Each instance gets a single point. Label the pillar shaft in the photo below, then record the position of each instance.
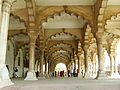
(4, 23)
(115, 64)
(87, 73)
(71, 65)
(41, 62)
(100, 56)
(32, 56)
(37, 66)
(90, 70)
(1, 1)
(41, 67)
(75, 64)
(111, 64)
(79, 68)
(46, 67)
(101, 61)
(4, 30)
(86, 62)
(95, 69)
(31, 73)
(79, 65)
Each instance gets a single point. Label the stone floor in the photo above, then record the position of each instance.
(64, 84)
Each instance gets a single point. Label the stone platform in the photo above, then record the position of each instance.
(64, 84)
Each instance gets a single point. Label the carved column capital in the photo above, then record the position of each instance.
(7, 4)
(1, 1)
(113, 54)
(99, 36)
(33, 36)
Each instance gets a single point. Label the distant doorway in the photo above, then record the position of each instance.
(60, 70)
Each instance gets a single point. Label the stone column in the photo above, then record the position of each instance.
(37, 66)
(71, 65)
(1, 1)
(111, 65)
(93, 69)
(67, 69)
(101, 72)
(87, 74)
(31, 73)
(45, 66)
(90, 70)
(79, 67)
(48, 68)
(75, 61)
(116, 66)
(4, 75)
(71, 68)
(75, 64)
(41, 63)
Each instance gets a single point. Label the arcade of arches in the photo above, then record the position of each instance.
(36, 35)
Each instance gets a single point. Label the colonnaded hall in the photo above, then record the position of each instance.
(60, 44)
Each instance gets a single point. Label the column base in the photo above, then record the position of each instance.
(112, 74)
(4, 83)
(87, 76)
(31, 76)
(102, 75)
(49, 75)
(80, 75)
(115, 76)
(4, 76)
(94, 76)
(46, 76)
(41, 76)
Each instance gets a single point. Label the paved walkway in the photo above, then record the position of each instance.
(64, 84)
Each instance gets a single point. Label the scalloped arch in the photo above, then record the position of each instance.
(60, 45)
(20, 19)
(56, 51)
(62, 56)
(114, 45)
(113, 24)
(47, 41)
(61, 18)
(70, 12)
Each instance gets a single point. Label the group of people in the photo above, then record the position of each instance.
(59, 74)
(70, 73)
(73, 73)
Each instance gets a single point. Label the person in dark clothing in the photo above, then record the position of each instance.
(53, 74)
(37, 73)
(68, 73)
